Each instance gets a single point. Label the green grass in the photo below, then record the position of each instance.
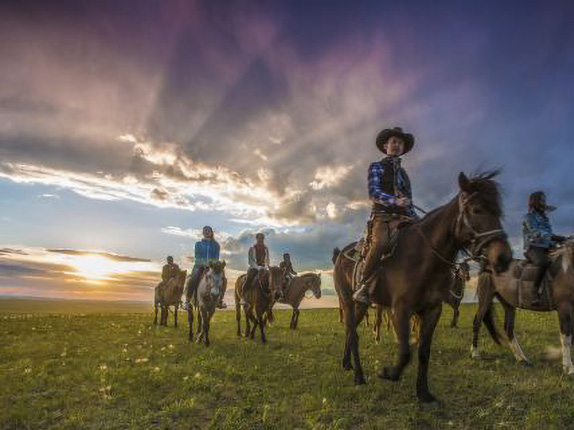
(81, 369)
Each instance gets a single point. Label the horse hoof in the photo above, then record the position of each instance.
(568, 370)
(389, 373)
(360, 380)
(347, 366)
(526, 363)
(474, 354)
(428, 400)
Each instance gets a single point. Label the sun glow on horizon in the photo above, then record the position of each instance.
(98, 269)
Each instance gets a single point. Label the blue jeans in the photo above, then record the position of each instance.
(193, 281)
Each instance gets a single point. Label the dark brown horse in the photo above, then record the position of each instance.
(417, 276)
(501, 286)
(259, 298)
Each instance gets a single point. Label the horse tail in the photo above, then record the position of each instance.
(484, 289)
(336, 253)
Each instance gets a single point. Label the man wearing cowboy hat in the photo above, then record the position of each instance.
(390, 192)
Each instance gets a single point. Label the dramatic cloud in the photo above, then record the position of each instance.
(263, 115)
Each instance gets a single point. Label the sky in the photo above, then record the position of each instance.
(125, 126)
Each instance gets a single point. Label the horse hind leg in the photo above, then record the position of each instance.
(356, 316)
(155, 316)
(565, 319)
(509, 318)
(175, 316)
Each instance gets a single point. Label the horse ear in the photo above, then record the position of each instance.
(223, 263)
(464, 183)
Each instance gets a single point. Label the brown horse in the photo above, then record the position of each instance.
(456, 292)
(205, 300)
(169, 294)
(419, 273)
(501, 286)
(259, 298)
(296, 291)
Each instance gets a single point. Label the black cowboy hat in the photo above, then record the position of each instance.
(387, 133)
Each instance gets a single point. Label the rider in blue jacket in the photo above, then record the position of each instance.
(538, 236)
(206, 251)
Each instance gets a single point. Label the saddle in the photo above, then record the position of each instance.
(359, 252)
(524, 277)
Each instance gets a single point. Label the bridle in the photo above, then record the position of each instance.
(478, 240)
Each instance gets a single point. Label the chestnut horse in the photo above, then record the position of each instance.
(419, 273)
(296, 290)
(169, 294)
(501, 286)
(259, 298)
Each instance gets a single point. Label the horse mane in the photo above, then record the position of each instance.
(488, 190)
(308, 275)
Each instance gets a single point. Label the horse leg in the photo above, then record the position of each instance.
(455, 316)
(367, 318)
(565, 319)
(255, 322)
(292, 323)
(509, 318)
(378, 322)
(190, 320)
(205, 318)
(402, 323)
(175, 316)
(262, 328)
(484, 306)
(155, 316)
(163, 316)
(298, 312)
(428, 323)
(247, 322)
(360, 310)
(238, 315)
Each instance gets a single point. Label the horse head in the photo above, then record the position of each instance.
(314, 284)
(214, 278)
(478, 225)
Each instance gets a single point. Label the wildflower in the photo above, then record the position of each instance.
(103, 367)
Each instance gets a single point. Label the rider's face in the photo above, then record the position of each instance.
(207, 233)
(260, 240)
(395, 146)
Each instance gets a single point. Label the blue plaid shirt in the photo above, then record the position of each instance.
(376, 193)
(537, 231)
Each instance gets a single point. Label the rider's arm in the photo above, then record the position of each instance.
(252, 261)
(217, 249)
(267, 262)
(376, 193)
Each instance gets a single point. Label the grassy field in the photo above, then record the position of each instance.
(82, 368)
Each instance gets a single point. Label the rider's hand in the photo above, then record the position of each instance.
(403, 201)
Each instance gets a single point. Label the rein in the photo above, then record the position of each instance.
(478, 241)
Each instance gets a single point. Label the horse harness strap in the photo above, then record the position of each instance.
(479, 239)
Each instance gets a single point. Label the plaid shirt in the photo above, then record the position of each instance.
(376, 193)
(537, 231)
